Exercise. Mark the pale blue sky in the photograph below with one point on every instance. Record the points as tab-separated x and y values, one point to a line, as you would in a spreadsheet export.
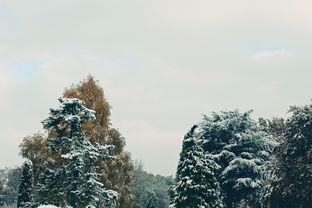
162	64
25	69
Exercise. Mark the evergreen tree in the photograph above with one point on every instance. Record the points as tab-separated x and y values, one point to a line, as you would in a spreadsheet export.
115	174
25	193
275	127
292	183
196	185
241	149
74	176
151	201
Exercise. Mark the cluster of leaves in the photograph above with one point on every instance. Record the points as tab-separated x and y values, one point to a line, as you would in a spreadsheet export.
150	190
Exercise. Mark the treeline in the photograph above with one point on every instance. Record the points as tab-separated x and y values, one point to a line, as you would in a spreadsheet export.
230	160
149	190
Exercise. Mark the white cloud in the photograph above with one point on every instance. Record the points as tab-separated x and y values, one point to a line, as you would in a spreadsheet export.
271	56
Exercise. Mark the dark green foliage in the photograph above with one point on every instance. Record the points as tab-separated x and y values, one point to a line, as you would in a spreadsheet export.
9	184
72	179
2	195
25	192
241	149
292	186
151	201
47	188
144	183
196	185
275	127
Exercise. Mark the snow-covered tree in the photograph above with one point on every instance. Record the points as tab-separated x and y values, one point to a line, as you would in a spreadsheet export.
151	201
196	185
72	179
235	142
25	193
116	174
47	206
292	183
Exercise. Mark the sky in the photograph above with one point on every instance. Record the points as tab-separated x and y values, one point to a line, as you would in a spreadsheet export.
162	65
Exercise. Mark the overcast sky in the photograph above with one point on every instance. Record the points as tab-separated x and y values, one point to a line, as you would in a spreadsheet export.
162	64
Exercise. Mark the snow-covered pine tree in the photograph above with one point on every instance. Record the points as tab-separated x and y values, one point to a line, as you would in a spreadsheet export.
25	192
151	201
291	186
116	174
196	185
74	175
236	143
48	189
